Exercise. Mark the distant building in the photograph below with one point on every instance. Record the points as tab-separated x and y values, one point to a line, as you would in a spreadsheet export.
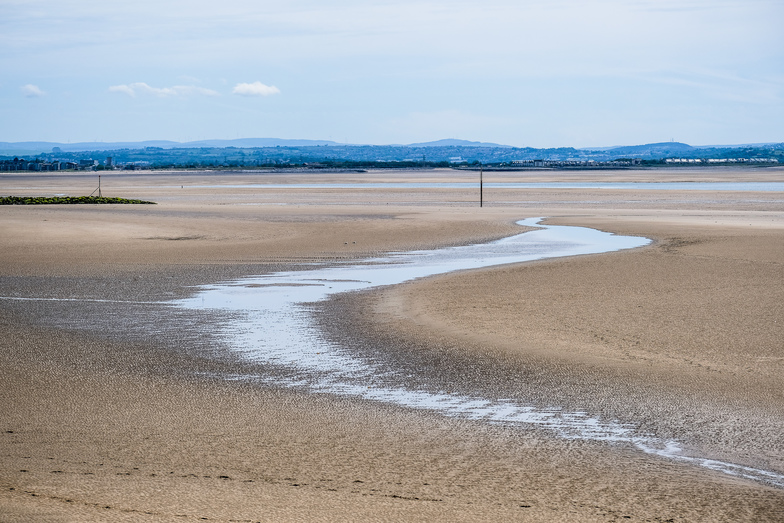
20	164
528	163
17	164
721	160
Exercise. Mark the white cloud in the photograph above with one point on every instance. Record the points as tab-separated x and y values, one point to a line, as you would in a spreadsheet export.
255	89
178	90
192	89
32	91
122	89
552	62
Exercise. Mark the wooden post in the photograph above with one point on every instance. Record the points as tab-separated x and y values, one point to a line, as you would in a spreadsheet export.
481	185
99	186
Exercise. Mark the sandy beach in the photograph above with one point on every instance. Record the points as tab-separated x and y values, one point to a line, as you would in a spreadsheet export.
115	408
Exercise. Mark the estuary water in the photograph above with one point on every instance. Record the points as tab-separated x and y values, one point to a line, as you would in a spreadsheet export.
273	325
648	186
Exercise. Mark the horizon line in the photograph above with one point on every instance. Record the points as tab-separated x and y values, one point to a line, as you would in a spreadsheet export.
306	142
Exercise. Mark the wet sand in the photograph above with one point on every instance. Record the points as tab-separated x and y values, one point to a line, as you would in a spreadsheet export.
684	337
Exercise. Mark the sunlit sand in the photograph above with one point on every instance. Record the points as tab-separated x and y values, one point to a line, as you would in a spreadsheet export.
117	407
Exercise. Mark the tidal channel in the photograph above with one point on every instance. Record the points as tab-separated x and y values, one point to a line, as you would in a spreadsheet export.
273	326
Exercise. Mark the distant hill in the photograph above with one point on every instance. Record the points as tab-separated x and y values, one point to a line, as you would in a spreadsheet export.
257	142
453	142
275	151
28	148
739	146
662	149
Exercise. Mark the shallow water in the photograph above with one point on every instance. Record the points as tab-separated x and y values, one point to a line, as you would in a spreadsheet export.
656	186
277	330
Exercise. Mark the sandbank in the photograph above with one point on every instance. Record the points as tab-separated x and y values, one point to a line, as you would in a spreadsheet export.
136	422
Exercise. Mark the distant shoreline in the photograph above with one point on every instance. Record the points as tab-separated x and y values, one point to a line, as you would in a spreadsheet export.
45	157
469	168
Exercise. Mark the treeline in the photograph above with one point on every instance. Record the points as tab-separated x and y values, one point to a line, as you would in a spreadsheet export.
359	165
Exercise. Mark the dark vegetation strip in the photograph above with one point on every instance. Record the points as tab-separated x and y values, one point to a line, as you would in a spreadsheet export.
43	200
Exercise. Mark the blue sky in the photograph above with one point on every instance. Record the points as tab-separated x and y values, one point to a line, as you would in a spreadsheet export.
523	73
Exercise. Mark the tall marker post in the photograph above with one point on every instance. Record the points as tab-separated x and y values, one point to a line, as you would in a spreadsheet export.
99	187
481	184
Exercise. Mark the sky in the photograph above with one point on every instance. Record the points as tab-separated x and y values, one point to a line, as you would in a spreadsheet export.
527	73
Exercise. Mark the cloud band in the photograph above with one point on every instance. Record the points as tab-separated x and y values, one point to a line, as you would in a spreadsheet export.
137	88
255	89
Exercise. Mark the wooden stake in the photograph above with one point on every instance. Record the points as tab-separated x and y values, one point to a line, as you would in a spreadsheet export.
481	185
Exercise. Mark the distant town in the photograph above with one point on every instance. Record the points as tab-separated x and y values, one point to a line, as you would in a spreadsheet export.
457	155
39	165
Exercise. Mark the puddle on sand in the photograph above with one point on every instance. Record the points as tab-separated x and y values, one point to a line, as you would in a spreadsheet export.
276	330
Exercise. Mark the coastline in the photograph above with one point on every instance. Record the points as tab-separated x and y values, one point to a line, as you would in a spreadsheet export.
112	412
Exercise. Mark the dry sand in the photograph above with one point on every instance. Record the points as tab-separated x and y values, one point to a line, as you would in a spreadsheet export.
109	414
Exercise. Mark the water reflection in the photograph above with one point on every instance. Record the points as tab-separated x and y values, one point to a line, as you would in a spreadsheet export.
277	330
